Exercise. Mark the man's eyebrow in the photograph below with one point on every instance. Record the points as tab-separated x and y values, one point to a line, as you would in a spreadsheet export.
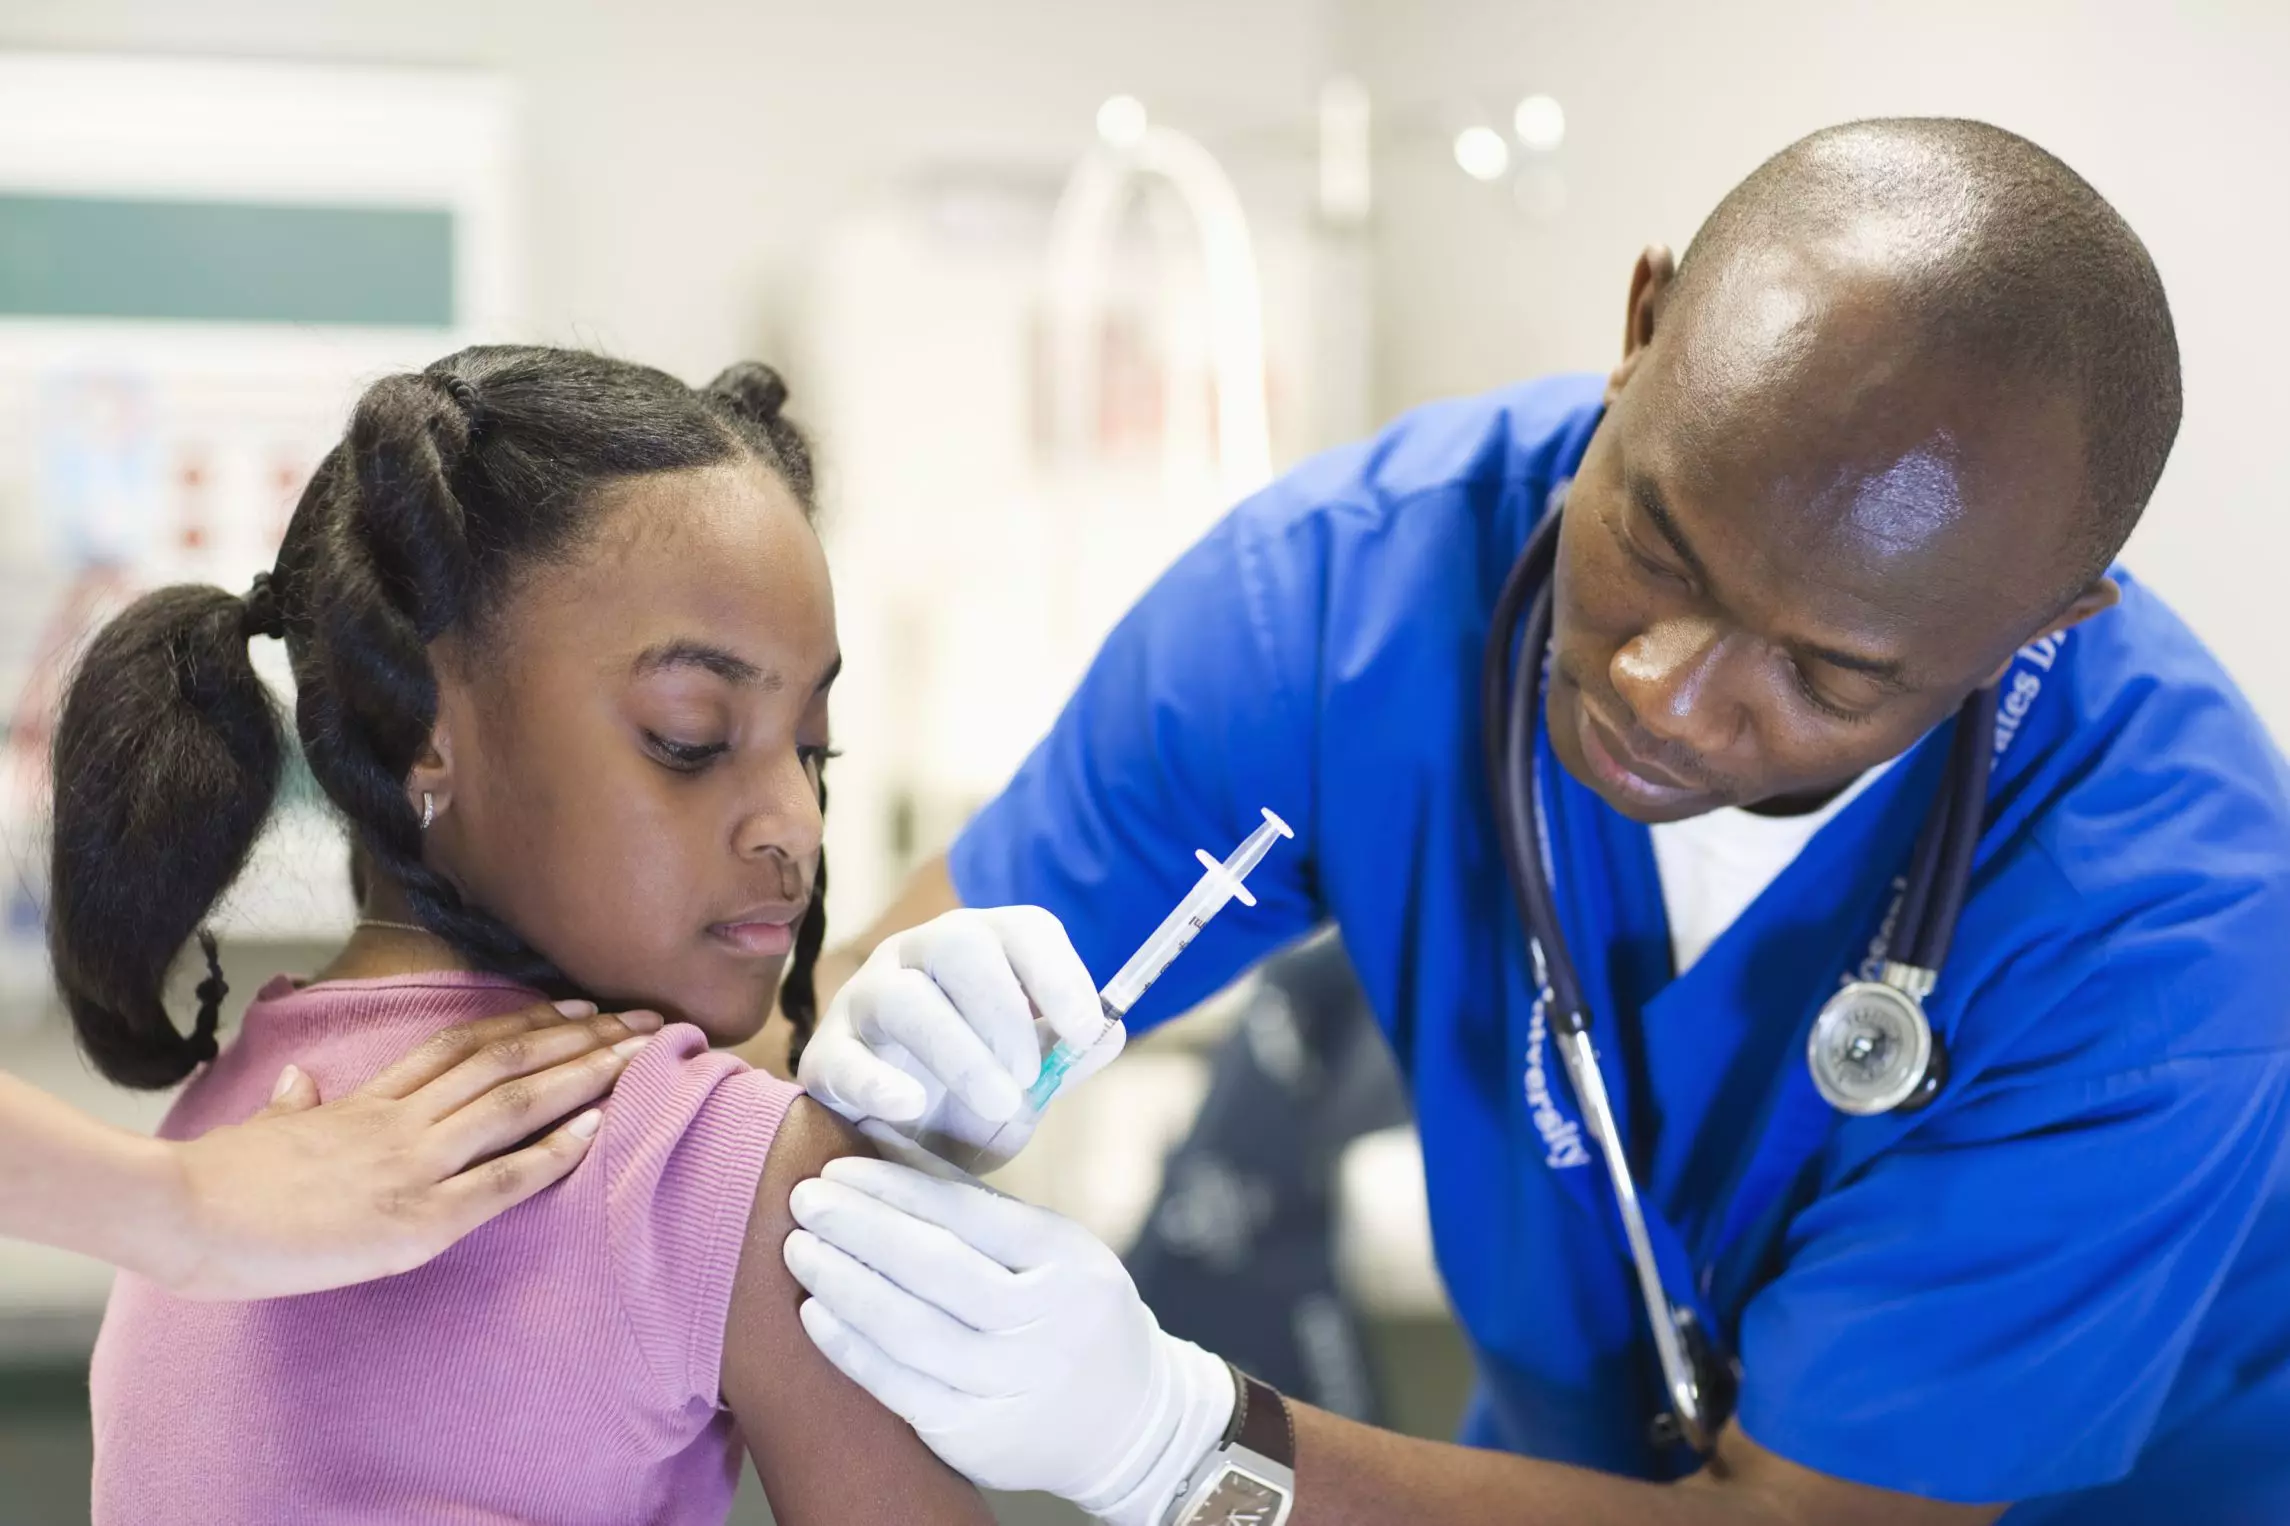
1648	497
1887	671
834	671
727	666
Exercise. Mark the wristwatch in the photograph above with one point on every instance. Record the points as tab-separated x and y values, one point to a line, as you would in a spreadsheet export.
1250	1479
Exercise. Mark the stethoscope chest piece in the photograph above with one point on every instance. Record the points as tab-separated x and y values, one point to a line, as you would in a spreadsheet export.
1871	1050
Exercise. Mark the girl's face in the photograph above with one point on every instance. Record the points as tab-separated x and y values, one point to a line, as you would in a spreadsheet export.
631	753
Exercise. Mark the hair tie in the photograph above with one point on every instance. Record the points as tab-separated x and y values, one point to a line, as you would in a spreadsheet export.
262	616
464	394
211	992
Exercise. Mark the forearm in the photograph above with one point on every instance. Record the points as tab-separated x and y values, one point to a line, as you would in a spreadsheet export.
80	1184
1348	1474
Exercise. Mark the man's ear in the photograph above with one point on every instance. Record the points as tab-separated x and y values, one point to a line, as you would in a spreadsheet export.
2103	594
1649	287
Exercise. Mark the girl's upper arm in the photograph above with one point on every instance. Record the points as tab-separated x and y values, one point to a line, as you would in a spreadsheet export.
824	1449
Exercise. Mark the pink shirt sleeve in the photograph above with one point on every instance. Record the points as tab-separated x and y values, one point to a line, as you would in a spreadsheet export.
683	1144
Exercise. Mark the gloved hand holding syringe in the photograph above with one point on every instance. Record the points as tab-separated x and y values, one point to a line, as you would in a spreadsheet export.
1219	883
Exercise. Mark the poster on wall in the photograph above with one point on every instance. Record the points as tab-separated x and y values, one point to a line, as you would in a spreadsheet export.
202	262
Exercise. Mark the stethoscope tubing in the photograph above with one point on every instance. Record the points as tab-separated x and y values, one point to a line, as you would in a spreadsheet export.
1932	899
1516	697
1515	692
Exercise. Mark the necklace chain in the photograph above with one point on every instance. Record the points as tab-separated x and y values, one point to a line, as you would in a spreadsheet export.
402	927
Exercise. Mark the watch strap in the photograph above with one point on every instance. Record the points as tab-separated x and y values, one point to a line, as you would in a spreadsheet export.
1260	1421
1258	1450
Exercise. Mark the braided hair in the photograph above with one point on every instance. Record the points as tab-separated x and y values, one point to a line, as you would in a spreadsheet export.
450	482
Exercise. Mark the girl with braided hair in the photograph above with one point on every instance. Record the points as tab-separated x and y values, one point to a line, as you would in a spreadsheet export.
562	638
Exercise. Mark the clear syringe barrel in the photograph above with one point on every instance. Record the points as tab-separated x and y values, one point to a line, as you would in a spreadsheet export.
1218	884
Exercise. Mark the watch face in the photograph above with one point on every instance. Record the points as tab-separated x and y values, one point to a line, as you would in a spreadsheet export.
1239	1499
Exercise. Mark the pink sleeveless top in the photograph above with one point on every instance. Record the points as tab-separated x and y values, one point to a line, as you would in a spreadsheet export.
560	1364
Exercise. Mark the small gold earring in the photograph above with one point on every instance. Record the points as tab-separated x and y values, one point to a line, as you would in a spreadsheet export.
428	809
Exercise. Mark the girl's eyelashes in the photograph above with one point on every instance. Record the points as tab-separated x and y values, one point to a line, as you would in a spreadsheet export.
692	757
684	757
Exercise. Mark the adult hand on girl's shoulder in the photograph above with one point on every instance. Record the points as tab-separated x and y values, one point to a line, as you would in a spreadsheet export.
309	1195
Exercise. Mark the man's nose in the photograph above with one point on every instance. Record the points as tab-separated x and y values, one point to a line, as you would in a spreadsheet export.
1672	676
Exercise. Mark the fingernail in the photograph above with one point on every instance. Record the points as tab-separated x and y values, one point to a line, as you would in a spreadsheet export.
642	1021
286	1080
803	1202
575	1008
628	1047
586	1125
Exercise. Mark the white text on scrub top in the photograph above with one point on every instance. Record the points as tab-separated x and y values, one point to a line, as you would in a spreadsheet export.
1562	1136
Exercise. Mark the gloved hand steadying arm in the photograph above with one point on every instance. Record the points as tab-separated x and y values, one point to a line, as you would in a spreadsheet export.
1009	1337
935	1036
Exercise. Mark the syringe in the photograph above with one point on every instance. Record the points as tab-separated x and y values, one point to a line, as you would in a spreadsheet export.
1219	883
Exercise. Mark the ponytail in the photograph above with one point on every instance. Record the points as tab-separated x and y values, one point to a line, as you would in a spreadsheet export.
167	758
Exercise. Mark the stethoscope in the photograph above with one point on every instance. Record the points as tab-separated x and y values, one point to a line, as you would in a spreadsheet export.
1871	1050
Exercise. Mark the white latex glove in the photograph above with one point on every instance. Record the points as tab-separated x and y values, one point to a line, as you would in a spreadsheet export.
936	1036
1010	1338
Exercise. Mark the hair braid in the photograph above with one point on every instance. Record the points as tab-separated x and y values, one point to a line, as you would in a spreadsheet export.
394	574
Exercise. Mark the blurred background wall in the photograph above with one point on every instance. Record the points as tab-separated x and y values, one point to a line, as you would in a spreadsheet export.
2177	112
677	152
866	193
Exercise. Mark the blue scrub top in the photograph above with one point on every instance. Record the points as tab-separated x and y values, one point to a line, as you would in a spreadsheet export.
2065	1283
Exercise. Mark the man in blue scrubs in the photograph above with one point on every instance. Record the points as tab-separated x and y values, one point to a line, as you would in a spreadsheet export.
1873	445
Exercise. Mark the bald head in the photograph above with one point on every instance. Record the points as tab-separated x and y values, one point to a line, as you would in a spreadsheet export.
1972	249
1890	418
